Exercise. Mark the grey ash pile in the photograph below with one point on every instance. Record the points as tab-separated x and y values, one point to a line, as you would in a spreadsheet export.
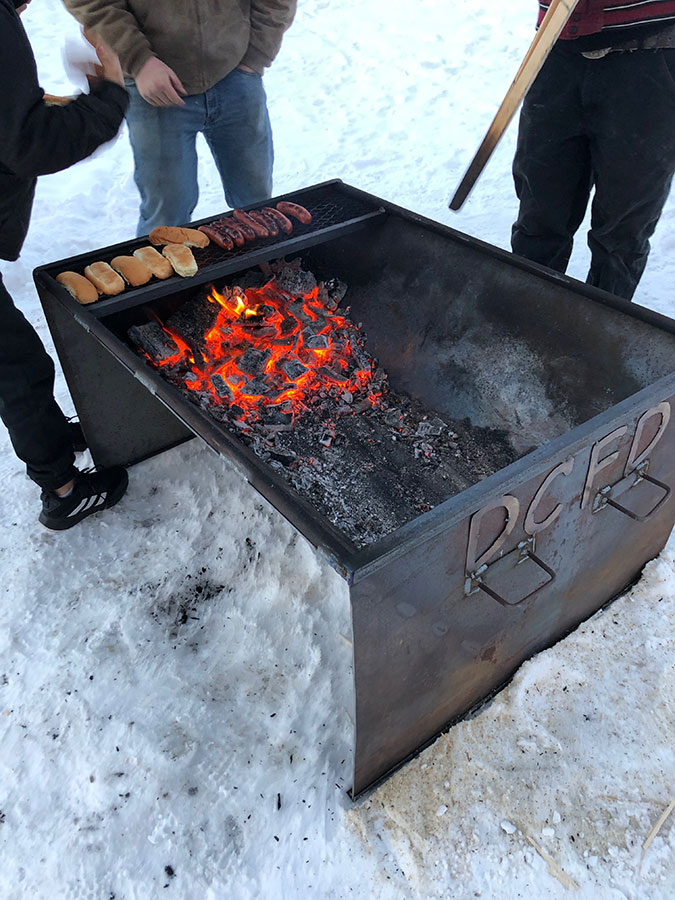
369	472
365	457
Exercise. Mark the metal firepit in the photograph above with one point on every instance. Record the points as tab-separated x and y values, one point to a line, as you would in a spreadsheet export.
447	607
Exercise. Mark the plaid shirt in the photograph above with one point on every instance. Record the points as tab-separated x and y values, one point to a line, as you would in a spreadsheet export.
594	16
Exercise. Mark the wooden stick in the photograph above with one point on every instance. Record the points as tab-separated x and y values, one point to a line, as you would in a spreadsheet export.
548	33
655	830
542	30
553	866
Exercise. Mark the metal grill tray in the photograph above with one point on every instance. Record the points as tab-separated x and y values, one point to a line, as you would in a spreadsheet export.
335	210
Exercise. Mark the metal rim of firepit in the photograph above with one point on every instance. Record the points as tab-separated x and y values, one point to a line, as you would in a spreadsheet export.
352	563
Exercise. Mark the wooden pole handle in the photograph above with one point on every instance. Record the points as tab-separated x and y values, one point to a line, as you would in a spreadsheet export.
548	33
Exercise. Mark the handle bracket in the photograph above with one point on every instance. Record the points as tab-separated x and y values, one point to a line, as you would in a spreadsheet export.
523	552
607	495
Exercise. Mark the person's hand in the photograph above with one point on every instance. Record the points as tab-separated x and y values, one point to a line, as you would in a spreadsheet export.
110	68
248	69
159	85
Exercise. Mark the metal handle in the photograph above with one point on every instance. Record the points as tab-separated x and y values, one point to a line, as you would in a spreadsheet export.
604	496
651	512
525	551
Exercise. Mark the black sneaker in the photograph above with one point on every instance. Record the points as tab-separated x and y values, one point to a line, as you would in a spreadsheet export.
77	438
92	492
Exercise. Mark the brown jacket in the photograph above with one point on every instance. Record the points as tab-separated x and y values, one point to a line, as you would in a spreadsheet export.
201	40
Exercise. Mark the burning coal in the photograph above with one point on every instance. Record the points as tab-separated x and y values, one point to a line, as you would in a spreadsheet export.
266	354
275	364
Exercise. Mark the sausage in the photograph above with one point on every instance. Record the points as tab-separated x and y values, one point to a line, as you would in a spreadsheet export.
223	232
295	210
247	230
270	222
265	222
244	218
229	226
218	237
284	223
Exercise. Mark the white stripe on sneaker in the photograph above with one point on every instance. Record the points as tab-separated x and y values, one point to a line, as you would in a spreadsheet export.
77	509
87	503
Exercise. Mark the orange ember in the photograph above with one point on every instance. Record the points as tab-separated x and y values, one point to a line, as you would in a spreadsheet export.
271	351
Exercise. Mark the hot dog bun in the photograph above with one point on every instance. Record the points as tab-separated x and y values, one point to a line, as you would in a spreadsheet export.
170	234
105	280
80	287
55	100
181	259
153	259
132	270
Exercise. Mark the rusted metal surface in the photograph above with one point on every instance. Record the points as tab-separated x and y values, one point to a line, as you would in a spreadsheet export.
446	608
436	629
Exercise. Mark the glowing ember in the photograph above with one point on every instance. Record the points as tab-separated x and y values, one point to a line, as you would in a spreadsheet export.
266	353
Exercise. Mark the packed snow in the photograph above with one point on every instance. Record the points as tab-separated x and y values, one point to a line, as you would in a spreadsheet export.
175	673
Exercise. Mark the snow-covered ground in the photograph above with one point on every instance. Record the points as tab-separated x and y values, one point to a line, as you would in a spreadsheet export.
174	672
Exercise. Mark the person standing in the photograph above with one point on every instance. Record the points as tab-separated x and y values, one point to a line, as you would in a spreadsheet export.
37	139
193	66
600	115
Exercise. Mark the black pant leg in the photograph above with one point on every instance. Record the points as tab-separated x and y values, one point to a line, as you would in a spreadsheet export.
37	427
552	164
631	120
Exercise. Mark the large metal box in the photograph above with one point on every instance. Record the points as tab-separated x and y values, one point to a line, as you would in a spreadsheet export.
447	607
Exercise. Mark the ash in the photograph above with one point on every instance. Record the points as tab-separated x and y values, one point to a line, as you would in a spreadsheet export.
366	458
371	471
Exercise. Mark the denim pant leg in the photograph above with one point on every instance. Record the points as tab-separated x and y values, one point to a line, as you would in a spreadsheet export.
37	427
239	134
163	140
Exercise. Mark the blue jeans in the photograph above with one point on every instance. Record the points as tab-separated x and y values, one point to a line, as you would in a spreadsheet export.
232	115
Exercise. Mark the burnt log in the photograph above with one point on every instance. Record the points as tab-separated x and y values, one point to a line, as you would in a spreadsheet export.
256	387
253	361
288	325
314	341
295	280
194	320
293	368
221	387
332	292
331	374
297	309
277	414
153	340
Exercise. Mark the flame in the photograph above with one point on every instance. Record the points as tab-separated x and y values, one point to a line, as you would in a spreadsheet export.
273	329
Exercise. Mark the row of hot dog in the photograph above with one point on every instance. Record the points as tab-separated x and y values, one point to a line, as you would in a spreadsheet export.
268	221
103	279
